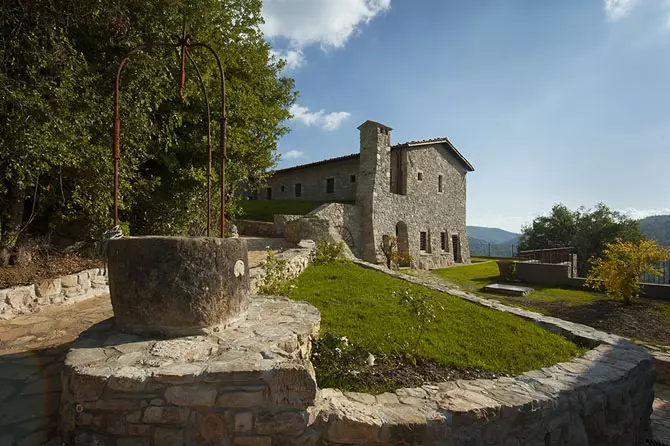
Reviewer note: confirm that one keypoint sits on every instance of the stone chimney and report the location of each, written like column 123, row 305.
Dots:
column 373, row 177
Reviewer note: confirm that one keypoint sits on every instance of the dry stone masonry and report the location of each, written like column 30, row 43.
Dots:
column 248, row 384
column 62, row 290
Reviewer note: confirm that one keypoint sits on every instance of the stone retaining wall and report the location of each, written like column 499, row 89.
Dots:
column 256, row 228
column 602, row 398
column 62, row 290
column 251, row 384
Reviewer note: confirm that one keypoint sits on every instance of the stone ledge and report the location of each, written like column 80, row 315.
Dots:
column 68, row 289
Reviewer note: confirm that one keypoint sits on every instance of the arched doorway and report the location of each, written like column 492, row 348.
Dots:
column 403, row 242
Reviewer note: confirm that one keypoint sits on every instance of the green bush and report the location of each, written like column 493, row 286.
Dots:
column 329, row 252
column 276, row 280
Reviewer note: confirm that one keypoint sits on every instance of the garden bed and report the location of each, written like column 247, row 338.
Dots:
column 647, row 319
column 45, row 266
column 465, row 340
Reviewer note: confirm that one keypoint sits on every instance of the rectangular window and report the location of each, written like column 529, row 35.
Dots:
column 282, row 188
column 352, row 178
column 419, row 176
column 423, row 240
column 439, row 183
column 330, row 185
column 298, row 189
column 443, row 241
column 269, row 193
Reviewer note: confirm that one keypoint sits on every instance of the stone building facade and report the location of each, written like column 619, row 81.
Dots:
column 415, row 191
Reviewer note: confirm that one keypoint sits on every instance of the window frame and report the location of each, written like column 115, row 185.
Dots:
column 297, row 190
column 330, row 181
column 440, row 183
column 423, row 241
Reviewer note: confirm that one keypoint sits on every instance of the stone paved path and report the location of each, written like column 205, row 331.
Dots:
column 32, row 350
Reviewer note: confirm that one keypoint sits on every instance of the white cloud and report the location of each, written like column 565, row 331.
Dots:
column 327, row 121
column 618, row 9
column 293, row 154
column 294, row 58
column 642, row 213
column 328, row 23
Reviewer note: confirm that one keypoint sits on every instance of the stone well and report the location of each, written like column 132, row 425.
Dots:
column 177, row 285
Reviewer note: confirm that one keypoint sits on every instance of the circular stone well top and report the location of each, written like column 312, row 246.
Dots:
column 177, row 285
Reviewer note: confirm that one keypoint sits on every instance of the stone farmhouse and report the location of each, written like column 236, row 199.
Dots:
column 415, row 191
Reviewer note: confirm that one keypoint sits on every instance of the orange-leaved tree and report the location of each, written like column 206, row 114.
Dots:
column 619, row 271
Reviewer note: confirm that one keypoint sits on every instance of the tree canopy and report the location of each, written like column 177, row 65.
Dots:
column 586, row 230
column 57, row 68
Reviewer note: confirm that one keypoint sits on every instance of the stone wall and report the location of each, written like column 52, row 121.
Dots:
column 256, row 228
column 421, row 209
column 62, row 290
column 543, row 273
column 313, row 180
column 603, row 397
column 330, row 222
column 280, row 221
column 247, row 385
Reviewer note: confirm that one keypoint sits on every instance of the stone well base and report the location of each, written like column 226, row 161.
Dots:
column 242, row 385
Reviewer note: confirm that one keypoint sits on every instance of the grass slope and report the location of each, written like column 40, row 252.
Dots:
column 264, row 210
column 357, row 303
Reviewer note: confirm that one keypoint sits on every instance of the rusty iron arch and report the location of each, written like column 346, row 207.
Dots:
column 183, row 43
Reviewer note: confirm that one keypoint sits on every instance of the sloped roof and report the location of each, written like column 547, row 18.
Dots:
column 318, row 163
column 426, row 142
column 423, row 142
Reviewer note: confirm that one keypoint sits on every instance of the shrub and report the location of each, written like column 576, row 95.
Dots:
column 337, row 361
column 423, row 309
column 620, row 269
column 329, row 252
column 276, row 280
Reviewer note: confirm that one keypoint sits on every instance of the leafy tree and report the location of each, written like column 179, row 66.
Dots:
column 57, row 68
column 622, row 266
column 586, row 230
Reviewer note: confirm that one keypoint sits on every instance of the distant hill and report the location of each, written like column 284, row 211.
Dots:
column 491, row 241
column 492, row 235
column 655, row 228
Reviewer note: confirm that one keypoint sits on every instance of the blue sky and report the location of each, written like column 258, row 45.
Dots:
column 551, row 101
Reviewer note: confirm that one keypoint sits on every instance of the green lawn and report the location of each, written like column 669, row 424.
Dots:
column 477, row 275
column 358, row 303
column 647, row 320
column 264, row 210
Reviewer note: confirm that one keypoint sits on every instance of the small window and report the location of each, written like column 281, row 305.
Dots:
column 298, row 189
column 269, row 193
column 419, row 176
column 330, row 185
column 423, row 238
column 282, row 188
column 439, row 183
column 443, row 241
column 352, row 178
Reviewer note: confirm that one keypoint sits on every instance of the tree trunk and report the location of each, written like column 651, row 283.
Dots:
column 11, row 219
